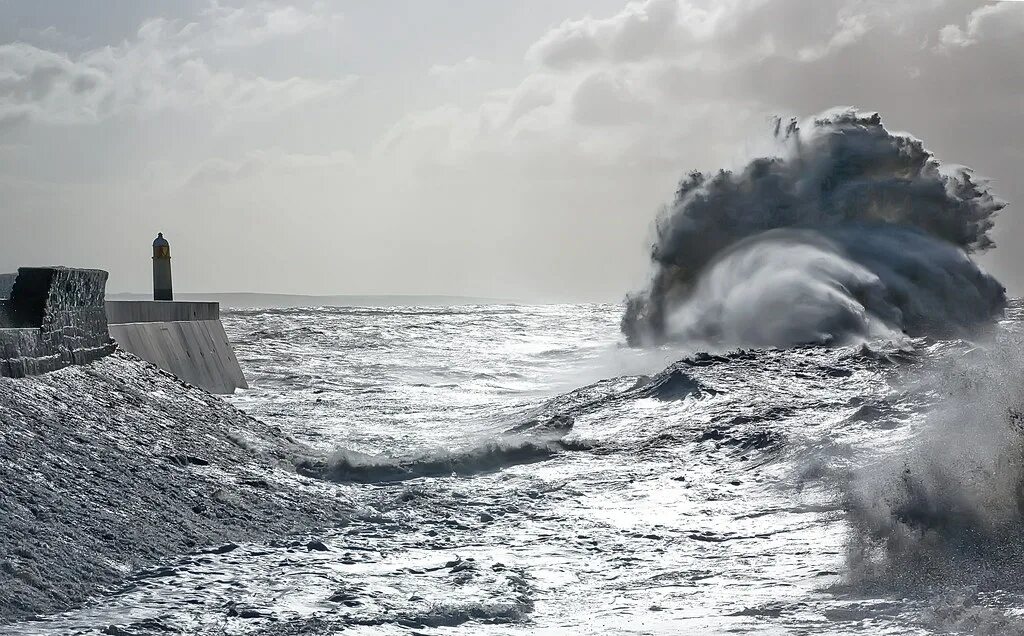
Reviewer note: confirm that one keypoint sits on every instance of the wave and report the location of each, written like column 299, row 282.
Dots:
column 850, row 232
column 951, row 508
column 507, row 450
column 536, row 435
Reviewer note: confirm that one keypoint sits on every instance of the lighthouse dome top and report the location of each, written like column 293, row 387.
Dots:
column 160, row 241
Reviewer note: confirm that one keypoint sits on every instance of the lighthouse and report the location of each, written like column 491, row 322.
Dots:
column 162, row 269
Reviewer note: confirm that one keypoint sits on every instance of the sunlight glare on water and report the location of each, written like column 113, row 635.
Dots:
column 515, row 469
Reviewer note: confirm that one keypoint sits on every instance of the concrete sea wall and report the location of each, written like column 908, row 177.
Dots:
column 53, row 317
column 196, row 351
column 121, row 311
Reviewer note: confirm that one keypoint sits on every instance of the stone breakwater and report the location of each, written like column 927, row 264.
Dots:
column 108, row 467
column 55, row 317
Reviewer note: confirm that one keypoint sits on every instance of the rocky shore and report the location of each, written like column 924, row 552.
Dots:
column 108, row 467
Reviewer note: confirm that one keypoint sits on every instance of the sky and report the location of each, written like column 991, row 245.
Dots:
column 513, row 149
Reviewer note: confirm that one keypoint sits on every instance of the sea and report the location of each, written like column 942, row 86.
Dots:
column 681, row 463
column 517, row 469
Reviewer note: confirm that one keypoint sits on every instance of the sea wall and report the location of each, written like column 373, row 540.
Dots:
column 197, row 351
column 54, row 317
column 125, row 311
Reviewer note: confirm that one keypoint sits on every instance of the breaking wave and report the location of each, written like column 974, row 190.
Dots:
column 506, row 450
column 537, row 435
column 849, row 232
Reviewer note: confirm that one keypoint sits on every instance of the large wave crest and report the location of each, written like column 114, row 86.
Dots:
column 849, row 231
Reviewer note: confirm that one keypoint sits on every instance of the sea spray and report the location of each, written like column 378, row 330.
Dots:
column 949, row 509
column 877, row 238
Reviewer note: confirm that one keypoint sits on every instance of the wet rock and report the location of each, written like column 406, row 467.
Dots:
column 340, row 597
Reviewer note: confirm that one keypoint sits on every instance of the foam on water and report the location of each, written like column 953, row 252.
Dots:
column 756, row 491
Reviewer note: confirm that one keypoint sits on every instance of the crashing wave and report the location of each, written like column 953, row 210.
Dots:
column 952, row 507
column 850, row 232
column 491, row 455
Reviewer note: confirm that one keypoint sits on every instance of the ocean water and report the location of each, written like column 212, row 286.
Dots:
column 519, row 470
column 516, row 469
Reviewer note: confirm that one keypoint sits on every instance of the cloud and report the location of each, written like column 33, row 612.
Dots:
column 719, row 35
column 450, row 72
column 990, row 22
column 641, row 31
column 851, row 27
column 264, row 163
column 255, row 24
column 603, row 91
column 164, row 67
column 680, row 82
column 34, row 82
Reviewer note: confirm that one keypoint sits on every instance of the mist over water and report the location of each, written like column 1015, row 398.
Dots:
column 849, row 231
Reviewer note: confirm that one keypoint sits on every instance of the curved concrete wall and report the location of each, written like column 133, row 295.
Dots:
column 197, row 351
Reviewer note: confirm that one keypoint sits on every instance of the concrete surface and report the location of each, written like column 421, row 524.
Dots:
column 196, row 351
column 122, row 311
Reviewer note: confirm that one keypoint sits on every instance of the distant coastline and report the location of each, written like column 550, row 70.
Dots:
column 254, row 300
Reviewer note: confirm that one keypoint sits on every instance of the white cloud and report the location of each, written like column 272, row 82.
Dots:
column 450, row 72
column 268, row 163
column 990, row 22
column 643, row 30
column 164, row 67
column 35, row 83
column 851, row 27
column 254, row 24
column 628, row 87
column 710, row 35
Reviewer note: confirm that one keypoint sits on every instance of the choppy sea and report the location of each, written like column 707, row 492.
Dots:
column 517, row 469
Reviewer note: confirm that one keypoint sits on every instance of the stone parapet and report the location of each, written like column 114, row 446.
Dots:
column 54, row 317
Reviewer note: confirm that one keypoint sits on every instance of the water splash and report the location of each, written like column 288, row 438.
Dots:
column 850, row 230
